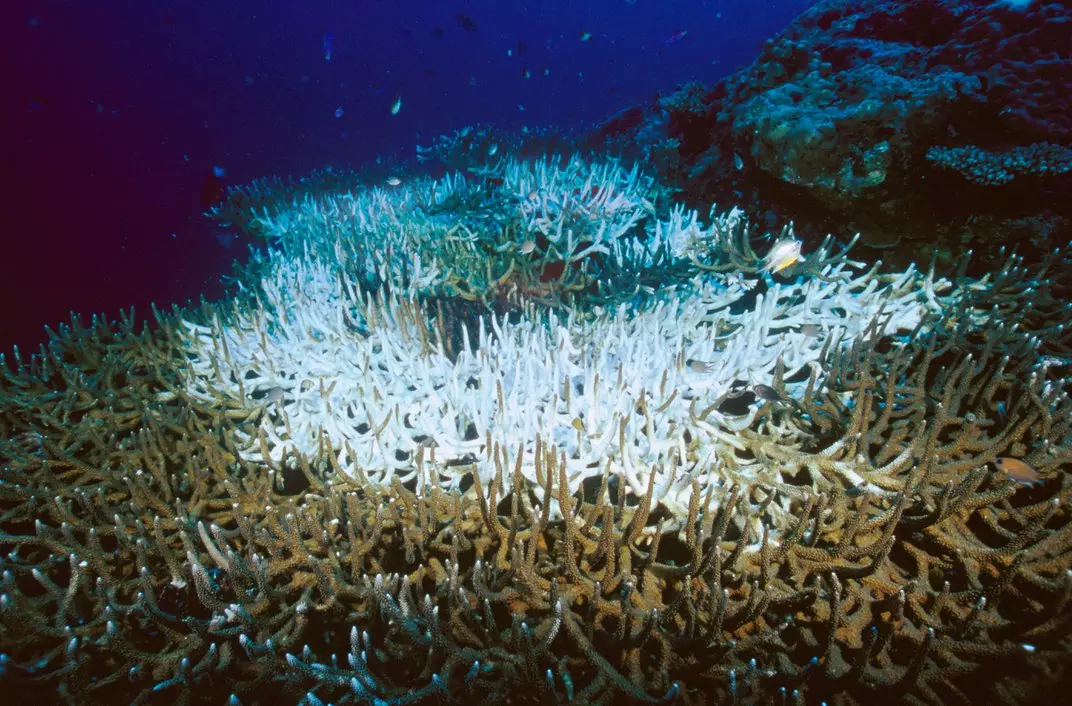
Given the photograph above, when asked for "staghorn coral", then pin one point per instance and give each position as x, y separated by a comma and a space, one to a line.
845, 542
475, 148
241, 204
379, 381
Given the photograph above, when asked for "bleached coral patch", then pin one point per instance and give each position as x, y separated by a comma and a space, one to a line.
641, 392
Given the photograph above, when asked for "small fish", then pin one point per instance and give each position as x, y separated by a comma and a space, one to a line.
527, 247
578, 424
327, 45
525, 73
768, 393
783, 254
393, 181
738, 162
534, 195
274, 395
811, 330
218, 171
585, 36
1017, 470
465, 22
338, 112
698, 366
675, 37
492, 150
396, 106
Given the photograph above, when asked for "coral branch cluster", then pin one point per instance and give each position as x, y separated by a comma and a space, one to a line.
344, 486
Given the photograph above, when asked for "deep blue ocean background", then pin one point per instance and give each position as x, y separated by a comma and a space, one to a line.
116, 114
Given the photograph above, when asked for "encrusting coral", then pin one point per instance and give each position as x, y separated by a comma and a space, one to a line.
405, 466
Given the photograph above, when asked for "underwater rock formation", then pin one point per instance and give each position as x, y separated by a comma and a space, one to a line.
434, 451
896, 119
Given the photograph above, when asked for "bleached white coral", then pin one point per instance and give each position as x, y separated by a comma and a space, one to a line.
631, 390
1015, 4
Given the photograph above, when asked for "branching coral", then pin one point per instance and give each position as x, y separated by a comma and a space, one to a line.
303, 495
369, 373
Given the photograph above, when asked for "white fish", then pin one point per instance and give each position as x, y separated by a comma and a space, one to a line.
393, 181
396, 106
699, 366
783, 254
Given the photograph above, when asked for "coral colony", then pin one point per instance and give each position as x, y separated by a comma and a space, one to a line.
551, 428
533, 434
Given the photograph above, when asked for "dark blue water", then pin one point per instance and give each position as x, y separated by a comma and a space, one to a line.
116, 113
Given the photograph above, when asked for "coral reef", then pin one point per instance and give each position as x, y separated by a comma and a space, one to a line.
994, 168
875, 117
363, 481
379, 381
